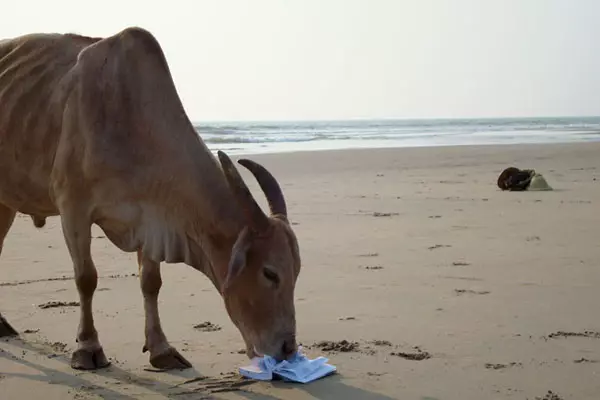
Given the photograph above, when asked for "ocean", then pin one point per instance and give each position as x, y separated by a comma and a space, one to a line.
276, 137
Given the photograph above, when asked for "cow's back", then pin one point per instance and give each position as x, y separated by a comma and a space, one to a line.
31, 69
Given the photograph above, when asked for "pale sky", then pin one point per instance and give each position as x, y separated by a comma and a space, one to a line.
337, 59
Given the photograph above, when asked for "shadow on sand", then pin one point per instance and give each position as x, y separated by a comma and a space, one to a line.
87, 381
327, 388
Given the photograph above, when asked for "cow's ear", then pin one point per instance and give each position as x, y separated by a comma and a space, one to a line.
237, 261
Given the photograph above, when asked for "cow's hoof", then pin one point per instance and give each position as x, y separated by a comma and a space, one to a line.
169, 359
89, 359
5, 329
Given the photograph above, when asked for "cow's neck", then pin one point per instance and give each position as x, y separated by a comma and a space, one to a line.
217, 223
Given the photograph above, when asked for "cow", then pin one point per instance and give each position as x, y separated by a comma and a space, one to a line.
93, 130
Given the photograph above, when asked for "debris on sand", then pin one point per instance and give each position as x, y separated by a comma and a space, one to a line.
585, 360
469, 291
502, 366
384, 214
417, 355
373, 267
368, 255
342, 346
438, 246
26, 282
119, 276
56, 304
379, 342
56, 348
460, 264
59, 347
207, 326
587, 334
549, 396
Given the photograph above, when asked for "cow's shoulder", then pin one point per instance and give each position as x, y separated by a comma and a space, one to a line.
123, 106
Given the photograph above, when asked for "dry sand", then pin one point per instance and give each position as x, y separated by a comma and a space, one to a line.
414, 248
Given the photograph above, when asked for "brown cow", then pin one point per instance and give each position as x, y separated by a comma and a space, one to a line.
93, 130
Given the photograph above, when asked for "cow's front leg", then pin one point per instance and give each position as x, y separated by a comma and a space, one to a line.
7, 216
162, 354
77, 232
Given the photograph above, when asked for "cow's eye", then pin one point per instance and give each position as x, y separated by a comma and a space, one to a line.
271, 275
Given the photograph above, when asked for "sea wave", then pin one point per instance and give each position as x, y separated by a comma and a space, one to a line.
376, 133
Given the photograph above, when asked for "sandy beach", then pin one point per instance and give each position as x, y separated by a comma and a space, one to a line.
445, 287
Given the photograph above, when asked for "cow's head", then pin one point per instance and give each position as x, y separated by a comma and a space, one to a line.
263, 268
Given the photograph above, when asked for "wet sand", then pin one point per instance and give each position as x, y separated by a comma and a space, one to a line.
421, 280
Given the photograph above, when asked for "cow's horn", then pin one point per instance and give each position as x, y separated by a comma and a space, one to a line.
257, 219
269, 186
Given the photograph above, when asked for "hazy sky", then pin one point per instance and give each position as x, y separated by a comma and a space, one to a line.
330, 59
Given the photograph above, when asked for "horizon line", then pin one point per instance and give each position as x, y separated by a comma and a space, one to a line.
365, 119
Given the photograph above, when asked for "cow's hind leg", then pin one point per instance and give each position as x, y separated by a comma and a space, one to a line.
162, 355
7, 216
77, 231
